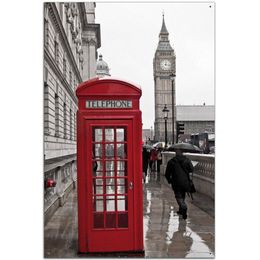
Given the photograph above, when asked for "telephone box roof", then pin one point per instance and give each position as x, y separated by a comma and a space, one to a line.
108, 81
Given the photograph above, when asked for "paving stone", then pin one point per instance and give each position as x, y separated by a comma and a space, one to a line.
166, 234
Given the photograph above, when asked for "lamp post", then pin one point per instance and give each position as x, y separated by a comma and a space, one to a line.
165, 116
172, 77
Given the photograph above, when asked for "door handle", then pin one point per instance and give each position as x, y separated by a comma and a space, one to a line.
131, 185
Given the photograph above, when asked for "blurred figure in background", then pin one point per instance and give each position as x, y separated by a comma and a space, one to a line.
146, 156
159, 159
153, 159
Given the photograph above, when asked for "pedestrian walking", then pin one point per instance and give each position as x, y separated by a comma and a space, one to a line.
177, 174
153, 159
146, 156
159, 159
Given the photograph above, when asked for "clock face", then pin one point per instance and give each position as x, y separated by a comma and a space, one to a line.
165, 64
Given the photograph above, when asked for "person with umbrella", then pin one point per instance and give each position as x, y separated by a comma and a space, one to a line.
185, 147
177, 174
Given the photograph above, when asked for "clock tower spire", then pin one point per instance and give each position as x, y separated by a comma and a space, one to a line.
164, 85
163, 31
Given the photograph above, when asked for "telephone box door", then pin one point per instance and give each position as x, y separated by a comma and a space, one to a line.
110, 186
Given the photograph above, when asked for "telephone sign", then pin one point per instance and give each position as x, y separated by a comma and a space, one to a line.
108, 104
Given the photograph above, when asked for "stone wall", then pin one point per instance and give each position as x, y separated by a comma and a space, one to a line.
193, 127
65, 177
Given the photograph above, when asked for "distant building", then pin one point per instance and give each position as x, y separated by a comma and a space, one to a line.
71, 40
147, 135
102, 68
196, 119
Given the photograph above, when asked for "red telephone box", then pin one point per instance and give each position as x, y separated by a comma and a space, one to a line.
109, 145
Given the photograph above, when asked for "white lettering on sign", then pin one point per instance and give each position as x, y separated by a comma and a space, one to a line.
109, 104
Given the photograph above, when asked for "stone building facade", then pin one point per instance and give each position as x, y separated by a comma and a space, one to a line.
164, 67
71, 40
196, 119
147, 135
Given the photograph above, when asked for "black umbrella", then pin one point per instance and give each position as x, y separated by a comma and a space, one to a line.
185, 147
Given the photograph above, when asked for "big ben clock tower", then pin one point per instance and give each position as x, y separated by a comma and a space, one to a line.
164, 86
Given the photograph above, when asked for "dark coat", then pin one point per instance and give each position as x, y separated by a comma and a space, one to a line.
94, 166
177, 173
146, 156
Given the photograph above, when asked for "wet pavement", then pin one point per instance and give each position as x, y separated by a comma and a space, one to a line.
166, 235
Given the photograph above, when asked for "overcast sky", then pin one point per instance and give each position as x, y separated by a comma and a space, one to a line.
129, 38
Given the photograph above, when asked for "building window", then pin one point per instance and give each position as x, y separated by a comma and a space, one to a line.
46, 33
74, 122
65, 120
45, 76
64, 66
46, 110
57, 115
71, 126
70, 79
74, 85
56, 51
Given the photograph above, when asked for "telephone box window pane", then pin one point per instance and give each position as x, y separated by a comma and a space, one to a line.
109, 148
110, 181
120, 189
121, 151
121, 203
98, 135
98, 220
123, 220
110, 203
110, 166
99, 190
121, 168
109, 135
120, 173
110, 173
121, 181
98, 186
98, 203
94, 167
98, 151
111, 220
110, 189
98, 174
99, 166
99, 182
120, 135
121, 165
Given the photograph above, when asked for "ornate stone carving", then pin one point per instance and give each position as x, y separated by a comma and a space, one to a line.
74, 9
81, 59
89, 40
72, 18
68, 11
78, 42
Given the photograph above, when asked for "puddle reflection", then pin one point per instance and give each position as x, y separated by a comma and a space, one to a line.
162, 221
